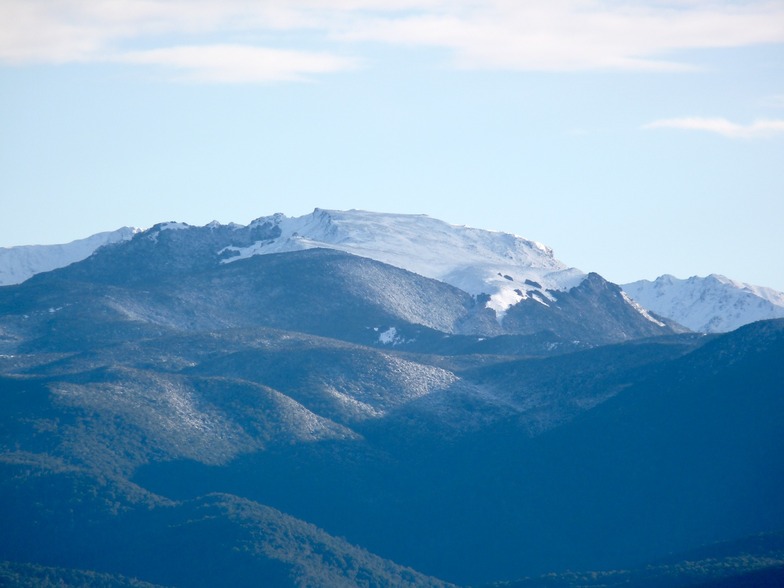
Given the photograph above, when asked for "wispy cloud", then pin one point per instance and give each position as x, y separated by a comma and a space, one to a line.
237, 63
721, 126
310, 36
565, 35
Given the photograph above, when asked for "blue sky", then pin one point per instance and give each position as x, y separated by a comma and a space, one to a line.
635, 138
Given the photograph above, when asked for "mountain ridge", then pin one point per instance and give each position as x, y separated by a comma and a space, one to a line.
501, 268
20, 263
492, 275
711, 304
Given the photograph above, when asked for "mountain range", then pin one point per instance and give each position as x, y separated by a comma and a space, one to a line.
481, 263
360, 399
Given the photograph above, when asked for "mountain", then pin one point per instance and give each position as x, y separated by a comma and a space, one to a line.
506, 268
713, 304
17, 264
176, 413
412, 271
506, 273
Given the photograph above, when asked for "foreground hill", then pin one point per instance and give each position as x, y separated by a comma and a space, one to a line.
756, 561
61, 517
597, 460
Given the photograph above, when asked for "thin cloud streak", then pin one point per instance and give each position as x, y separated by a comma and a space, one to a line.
237, 64
721, 126
568, 35
560, 35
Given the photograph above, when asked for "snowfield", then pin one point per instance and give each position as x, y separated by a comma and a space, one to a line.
505, 267
714, 304
18, 264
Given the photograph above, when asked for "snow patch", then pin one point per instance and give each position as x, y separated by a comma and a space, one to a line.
539, 299
390, 337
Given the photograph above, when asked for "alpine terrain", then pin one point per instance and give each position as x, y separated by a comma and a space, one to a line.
20, 263
365, 399
713, 304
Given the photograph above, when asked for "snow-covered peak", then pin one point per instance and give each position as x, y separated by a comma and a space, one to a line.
773, 296
17, 264
711, 304
506, 267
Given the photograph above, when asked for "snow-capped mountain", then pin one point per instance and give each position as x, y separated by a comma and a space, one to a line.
365, 271
17, 264
712, 304
308, 417
506, 267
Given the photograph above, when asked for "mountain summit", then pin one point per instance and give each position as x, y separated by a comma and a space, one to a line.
713, 304
505, 267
